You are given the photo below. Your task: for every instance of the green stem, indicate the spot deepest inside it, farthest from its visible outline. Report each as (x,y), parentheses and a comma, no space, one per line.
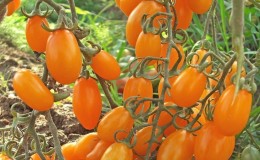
(73,12)
(209,15)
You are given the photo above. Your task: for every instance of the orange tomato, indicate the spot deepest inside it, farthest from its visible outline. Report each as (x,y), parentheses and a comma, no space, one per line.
(4,157)
(139,87)
(32,90)
(148,45)
(199,6)
(231,113)
(183,13)
(13,6)
(188,87)
(167,96)
(142,137)
(177,146)
(211,144)
(87,102)
(63,57)
(68,150)
(232,72)
(106,66)
(36,36)
(128,6)
(37,157)
(85,145)
(133,25)
(117,119)
(118,151)
(98,150)
(196,59)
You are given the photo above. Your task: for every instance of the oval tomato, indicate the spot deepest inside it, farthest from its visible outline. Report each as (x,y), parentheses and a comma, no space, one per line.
(183,13)
(142,138)
(36,36)
(196,59)
(177,146)
(167,96)
(63,57)
(37,157)
(68,150)
(148,45)
(85,145)
(133,25)
(118,151)
(232,72)
(128,6)
(117,119)
(188,87)
(98,150)
(199,6)
(32,90)
(87,102)
(210,144)
(106,66)
(139,87)
(13,6)
(231,113)
(4,157)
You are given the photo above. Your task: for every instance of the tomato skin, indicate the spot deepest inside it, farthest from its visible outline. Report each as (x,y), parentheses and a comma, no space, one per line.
(37,157)
(211,144)
(142,137)
(68,151)
(231,113)
(98,150)
(128,6)
(118,151)
(36,36)
(106,66)
(117,119)
(196,59)
(188,87)
(12,7)
(63,57)
(232,72)
(148,45)
(85,145)
(167,97)
(29,87)
(4,157)
(87,102)
(183,13)
(133,25)
(139,87)
(182,142)
(199,6)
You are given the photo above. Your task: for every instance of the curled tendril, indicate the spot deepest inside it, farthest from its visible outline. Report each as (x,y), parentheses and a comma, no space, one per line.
(179,33)
(37,12)
(43,143)
(10,148)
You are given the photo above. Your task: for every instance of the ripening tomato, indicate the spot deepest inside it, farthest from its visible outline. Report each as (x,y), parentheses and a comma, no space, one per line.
(177,146)
(85,145)
(68,150)
(232,72)
(87,102)
(183,13)
(196,59)
(63,57)
(231,113)
(199,6)
(165,118)
(4,157)
(29,87)
(118,151)
(36,36)
(37,157)
(142,138)
(106,66)
(211,144)
(117,119)
(174,56)
(139,87)
(188,87)
(167,96)
(128,6)
(133,25)
(98,150)
(148,45)
(13,6)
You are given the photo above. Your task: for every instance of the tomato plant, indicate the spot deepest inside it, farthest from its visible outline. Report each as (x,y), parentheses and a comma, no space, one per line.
(98,150)
(36,36)
(87,102)
(231,113)
(167,96)
(183,13)
(109,69)
(32,90)
(196,59)
(63,57)
(250,152)
(118,151)
(117,119)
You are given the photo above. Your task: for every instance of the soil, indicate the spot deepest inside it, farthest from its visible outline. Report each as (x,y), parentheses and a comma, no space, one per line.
(12,60)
